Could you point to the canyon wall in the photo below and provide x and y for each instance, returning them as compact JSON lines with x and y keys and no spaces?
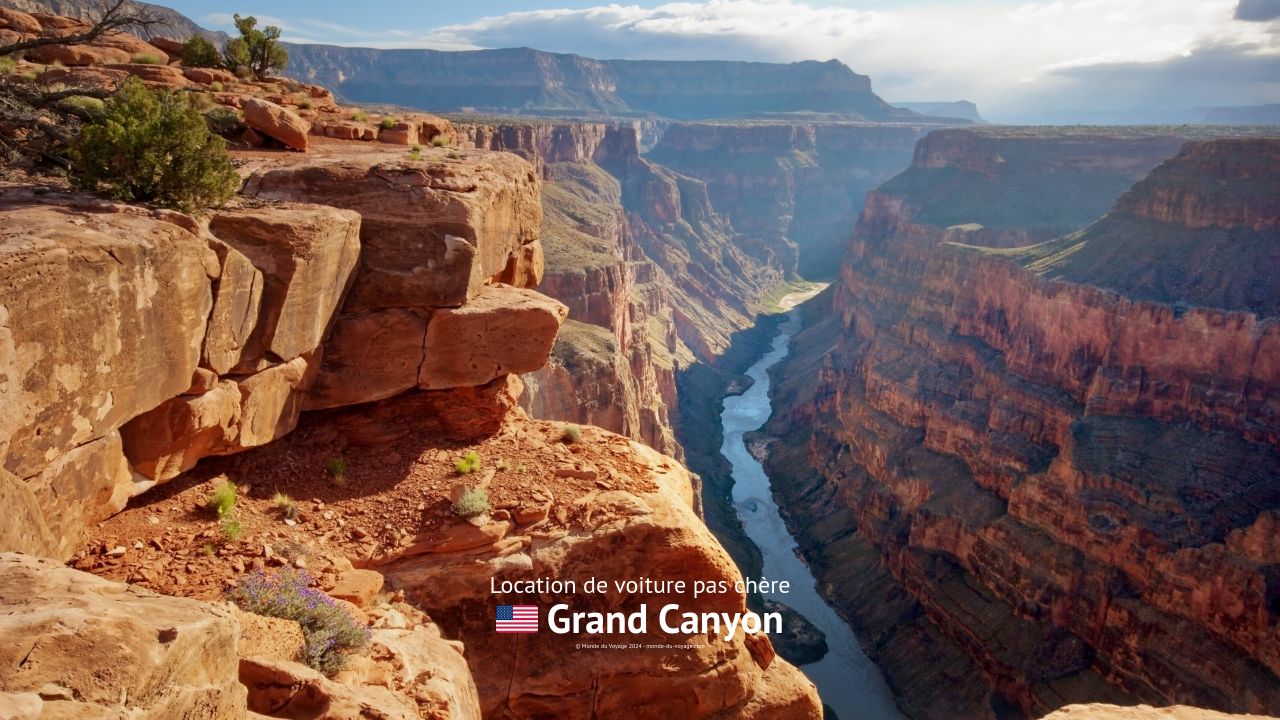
{"x":792,"y":190}
{"x":654,"y":276}
{"x":1050,"y":468}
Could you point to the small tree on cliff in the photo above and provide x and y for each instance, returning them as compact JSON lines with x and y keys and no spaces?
{"x":258,"y":52}
{"x":153,"y":146}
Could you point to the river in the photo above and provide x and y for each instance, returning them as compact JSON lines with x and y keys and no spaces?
{"x":846,"y":679}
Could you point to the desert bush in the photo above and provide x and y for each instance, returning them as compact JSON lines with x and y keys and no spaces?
{"x":148,"y":59}
{"x":570,"y":434}
{"x":92,"y":105}
{"x":440,"y":141}
{"x":217,"y":86}
{"x":287,"y":506}
{"x":202,"y":101}
{"x":223,"y":120}
{"x":415,"y":153}
{"x":337,"y":469}
{"x":359,"y":116}
{"x":257,"y":51}
{"x":153,"y":146}
{"x":200,"y":53}
{"x":306,"y":104}
{"x":454,"y":155}
{"x":7,"y":65}
{"x":387,"y":123}
{"x":231,"y":529}
{"x":472,"y":502}
{"x":329,"y":631}
{"x":222,"y":501}
{"x":468,"y":463}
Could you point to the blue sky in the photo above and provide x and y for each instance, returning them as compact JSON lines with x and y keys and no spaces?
{"x":1018,"y":59}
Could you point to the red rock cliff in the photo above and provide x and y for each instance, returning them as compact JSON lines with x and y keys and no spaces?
{"x":1073,"y":486}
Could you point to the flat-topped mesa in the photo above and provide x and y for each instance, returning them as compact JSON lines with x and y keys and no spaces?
{"x":1063,"y":454}
{"x":540,"y":143}
{"x":440,"y":298}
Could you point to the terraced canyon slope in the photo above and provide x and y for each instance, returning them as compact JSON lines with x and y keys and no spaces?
{"x":1050,"y":467}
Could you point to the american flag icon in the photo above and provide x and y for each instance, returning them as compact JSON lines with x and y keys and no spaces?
{"x":516,"y":619}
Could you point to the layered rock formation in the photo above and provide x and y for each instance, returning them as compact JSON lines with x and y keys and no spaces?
{"x":791,"y":190}
{"x":654,"y":277}
{"x":1060,"y":492}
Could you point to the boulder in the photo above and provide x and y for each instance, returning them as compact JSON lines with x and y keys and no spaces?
{"x":83,"y":487}
{"x":208,"y":76}
{"x":525,"y":266}
{"x":358,"y":587}
{"x":402,"y":133}
{"x":503,"y":330}
{"x":237,"y":301}
{"x":165,"y":76}
{"x":369,"y":356}
{"x":268,"y":637}
{"x":307,"y":255}
{"x":96,"y":78}
{"x":169,"y":45}
{"x":78,"y":55}
{"x":234,"y":416}
{"x":430,"y":237}
{"x":18,"y":22}
{"x":112,"y":308}
{"x":274,"y":121}
{"x":429,"y":669}
{"x":280,"y":688}
{"x":89,"y":647}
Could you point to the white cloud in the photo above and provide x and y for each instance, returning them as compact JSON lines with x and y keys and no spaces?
{"x":1015,"y":59}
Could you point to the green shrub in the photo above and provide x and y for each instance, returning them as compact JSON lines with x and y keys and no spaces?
{"x":287,"y":506}
{"x":217,"y":86}
{"x":440,"y":141}
{"x":337,"y":469}
{"x":222,"y":501}
{"x":202,"y":101}
{"x":359,"y":116}
{"x":148,"y":59}
{"x":329,"y":631}
{"x":454,"y":155}
{"x":415,"y":153}
{"x":472,"y":502}
{"x":258,"y":52}
{"x":153,"y":146}
{"x":231,"y":529}
{"x":92,"y":105}
{"x":200,"y":53}
{"x":7,"y":64}
{"x":223,"y":121}
{"x":306,"y":104}
{"x":468,"y":463}
{"x":570,"y":434}
{"x":387,"y":123}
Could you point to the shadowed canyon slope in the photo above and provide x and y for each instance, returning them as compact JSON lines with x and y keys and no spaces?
{"x":1051,"y":468}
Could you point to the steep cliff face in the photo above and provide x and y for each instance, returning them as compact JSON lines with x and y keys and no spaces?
{"x":1062,"y":492}
{"x":791,"y":190}
{"x":653,"y":276}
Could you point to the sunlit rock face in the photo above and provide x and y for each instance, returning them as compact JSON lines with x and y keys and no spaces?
{"x":1051,"y":465}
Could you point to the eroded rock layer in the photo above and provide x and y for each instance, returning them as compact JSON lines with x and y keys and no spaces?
{"x":1059,"y":492}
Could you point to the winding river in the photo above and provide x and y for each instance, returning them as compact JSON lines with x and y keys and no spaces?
{"x":846,"y":679}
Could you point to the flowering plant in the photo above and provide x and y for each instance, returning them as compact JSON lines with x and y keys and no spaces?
{"x":328,"y":629}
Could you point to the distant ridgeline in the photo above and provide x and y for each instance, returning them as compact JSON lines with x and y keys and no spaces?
{"x":531,"y":82}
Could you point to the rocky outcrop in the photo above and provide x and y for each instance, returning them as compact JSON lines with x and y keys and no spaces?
{"x":1097,"y":711}
{"x":80,"y":646}
{"x":420,"y":309}
{"x":1069,"y":483}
